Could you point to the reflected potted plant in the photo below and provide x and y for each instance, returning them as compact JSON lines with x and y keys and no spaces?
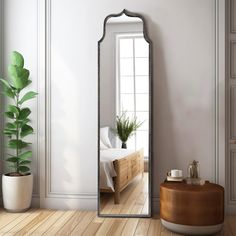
{"x":125,"y":128}
{"x":17,"y":185}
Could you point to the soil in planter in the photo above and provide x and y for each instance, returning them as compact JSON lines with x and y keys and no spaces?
{"x":16,"y":174}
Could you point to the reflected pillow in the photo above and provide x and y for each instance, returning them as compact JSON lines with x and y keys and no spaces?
{"x":102,"y":145}
{"x":104,"y":136}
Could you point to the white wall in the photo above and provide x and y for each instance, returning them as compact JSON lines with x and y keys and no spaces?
{"x":20,"y":34}
{"x":186,"y":114}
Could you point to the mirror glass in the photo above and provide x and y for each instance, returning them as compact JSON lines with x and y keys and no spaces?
{"x":124,"y":117}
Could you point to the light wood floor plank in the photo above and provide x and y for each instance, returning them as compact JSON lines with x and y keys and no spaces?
{"x":146,"y":205}
{"x":38,"y":222}
{"x":83,"y":223}
{"x":229,"y":229}
{"x":142,"y":227}
{"x":6,"y":218}
{"x":42,"y":228}
{"x":130,"y":227}
{"x":35,"y":223}
{"x":136,"y":194}
{"x":11,"y":224}
{"x":105,"y":227}
{"x":93,"y":227}
{"x":131,"y":199}
{"x":25,"y":226}
{"x":71,"y":223}
{"x":117,"y":227}
{"x":59,"y":224}
{"x":154,"y":228}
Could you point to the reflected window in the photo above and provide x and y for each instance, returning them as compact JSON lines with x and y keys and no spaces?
{"x":132,"y":58}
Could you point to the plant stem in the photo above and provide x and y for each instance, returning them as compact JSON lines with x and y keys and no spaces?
{"x":17,"y":134}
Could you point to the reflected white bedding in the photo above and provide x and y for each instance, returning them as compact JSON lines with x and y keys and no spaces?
{"x":107,"y":171}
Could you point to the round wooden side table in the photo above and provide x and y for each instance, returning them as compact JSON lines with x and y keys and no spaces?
{"x":192,"y":209}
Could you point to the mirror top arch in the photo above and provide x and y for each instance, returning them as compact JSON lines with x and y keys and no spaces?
{"x":125,"y":16}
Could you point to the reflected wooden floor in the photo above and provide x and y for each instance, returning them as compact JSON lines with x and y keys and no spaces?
{"x":37,"y":222}
{"x":133,"y":199}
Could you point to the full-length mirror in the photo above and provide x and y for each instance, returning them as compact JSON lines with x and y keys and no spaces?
{"x":124,"y":127}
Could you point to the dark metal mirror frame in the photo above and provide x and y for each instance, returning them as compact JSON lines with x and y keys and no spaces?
{"x":130,"y":14}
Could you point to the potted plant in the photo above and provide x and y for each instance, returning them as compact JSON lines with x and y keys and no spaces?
{"x":125,"y":127}
{"x":17,"y":184}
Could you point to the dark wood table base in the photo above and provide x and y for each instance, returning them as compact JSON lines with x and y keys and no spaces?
{"x":192,"y":209}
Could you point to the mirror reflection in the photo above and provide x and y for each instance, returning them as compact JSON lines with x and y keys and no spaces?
{"x":124,"y":118}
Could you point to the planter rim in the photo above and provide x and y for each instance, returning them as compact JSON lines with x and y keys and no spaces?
{"x":20,"y":176}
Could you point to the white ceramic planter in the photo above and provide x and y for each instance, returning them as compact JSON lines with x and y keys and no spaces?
{"x":17,"y":192}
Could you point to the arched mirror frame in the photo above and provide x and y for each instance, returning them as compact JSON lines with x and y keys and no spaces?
{"x":148,"y":40}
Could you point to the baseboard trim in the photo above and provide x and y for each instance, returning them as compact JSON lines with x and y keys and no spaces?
{"x":155,"y":205}
{"x":70,"y":204}
{"x":78,"y":204}
{"x":230,"y":209}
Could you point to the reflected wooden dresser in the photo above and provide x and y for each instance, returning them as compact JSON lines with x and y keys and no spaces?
{"x":192,"y":209}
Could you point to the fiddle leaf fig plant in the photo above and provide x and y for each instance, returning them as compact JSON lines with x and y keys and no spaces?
{"x":17,"y":126}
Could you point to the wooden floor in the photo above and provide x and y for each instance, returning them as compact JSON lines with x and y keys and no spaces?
{"x":133,"y":199}
{"x":50,"y":222}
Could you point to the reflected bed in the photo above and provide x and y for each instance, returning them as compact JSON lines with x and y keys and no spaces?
{"x":118,"y":167}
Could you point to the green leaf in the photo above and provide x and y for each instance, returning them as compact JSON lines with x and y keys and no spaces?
{"x":5,"y":83}
{"x":25,"y":130}
{"x":28,"y":96}
{"x":17,"y":59}
{"x":25,"y":155}
{"x":11,"y":125}
{"x":12,"y":159}
{"x":14,"y":109}
{"x":7,"y":90}
{"x":8,"y":134}
{"x":19,"y":76}
{"x":14,"y":144}
{"x":24,"y":162}
{"x":28,"y":82}
{"x":25,"y":121}
{"x":10,"y":131}
{"x":24,"y":169}
{"x":9,"y":114}
{"x":21,"y":122}
{"x":24,"y":113}
{"x":8,"y":93}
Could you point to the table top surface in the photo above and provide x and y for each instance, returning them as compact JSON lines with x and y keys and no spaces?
{"x":183,"y":186}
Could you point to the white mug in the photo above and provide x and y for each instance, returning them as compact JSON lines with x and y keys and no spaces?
{"x":175,"y":173}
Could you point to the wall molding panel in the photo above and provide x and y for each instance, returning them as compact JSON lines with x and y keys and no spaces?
{"x":232,"y":58}
{"x":232,"y":175}
{"x":219,"y":78}
{"x":48,"y":197}
{"x":230,"y":106}
{"x":232,"y":112}
{"x":49,"y":191}
{"x":36,"y":189}
{"x":232,"y":14}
